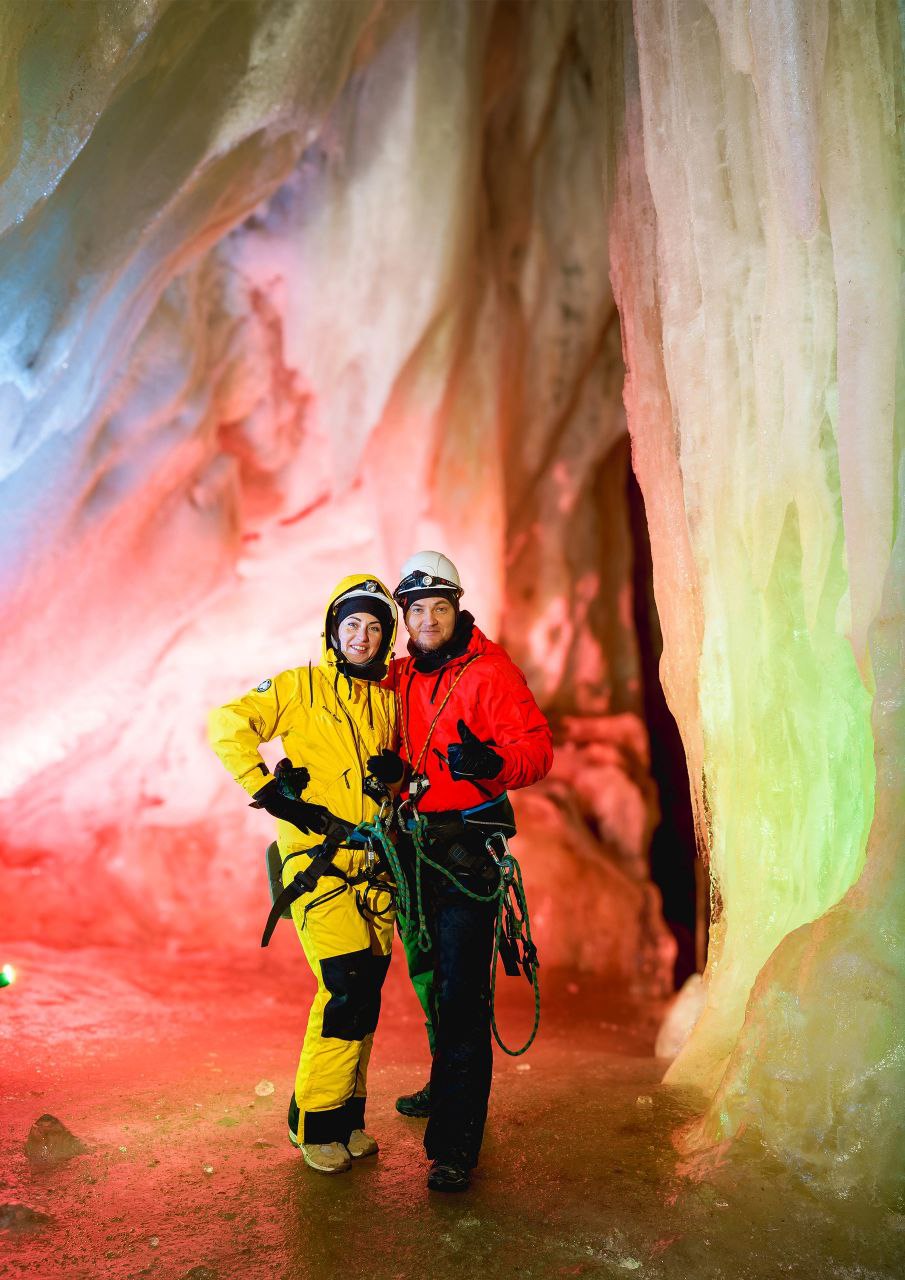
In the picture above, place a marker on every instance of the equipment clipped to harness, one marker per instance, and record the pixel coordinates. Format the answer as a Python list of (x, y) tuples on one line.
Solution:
[(508, 947), (377, 883), (376, 790), (305, 881), (417, 785), (274, 861), (515, 935), (512, 939), (376, 889)]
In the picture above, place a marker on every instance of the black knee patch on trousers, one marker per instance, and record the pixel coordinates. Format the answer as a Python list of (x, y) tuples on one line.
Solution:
[(354, 981)]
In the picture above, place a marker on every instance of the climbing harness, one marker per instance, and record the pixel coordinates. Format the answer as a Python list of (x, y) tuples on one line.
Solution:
[(383, 874), (512, 940), (342, 834)]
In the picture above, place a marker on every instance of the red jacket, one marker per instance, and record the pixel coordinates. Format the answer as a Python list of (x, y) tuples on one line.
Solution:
[(484, 688)]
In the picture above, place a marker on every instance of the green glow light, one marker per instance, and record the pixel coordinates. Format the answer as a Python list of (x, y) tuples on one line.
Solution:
[(7, 976)]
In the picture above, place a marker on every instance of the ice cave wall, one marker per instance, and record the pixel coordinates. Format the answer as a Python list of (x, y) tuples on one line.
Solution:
[(286, 285), (289, 288)]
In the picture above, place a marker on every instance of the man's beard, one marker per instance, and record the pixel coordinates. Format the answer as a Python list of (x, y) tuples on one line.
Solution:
[(452, 646)]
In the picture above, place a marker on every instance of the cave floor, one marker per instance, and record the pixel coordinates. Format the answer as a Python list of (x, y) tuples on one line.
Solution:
[(153, 1060)]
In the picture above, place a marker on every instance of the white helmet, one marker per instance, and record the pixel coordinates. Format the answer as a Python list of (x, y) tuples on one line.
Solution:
[(427, 573)]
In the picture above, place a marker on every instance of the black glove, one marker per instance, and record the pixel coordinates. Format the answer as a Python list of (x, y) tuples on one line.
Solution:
[(472, 758), (307, 817), (293, 779), (388, 767)]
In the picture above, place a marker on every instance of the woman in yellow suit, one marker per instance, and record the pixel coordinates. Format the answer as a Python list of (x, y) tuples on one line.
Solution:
[(331, 718)]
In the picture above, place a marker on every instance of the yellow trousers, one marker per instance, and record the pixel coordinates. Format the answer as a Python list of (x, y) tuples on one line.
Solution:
[(349, 955)]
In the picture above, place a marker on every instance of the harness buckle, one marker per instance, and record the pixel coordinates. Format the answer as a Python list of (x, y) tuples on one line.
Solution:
[(418, 784), (306, 881)]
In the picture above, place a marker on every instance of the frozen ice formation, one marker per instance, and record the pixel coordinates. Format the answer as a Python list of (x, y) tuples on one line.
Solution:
[(757, 245), (287, 287), (681, 1018), (274, 306)]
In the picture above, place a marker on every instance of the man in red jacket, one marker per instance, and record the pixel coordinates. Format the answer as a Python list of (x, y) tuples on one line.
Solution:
[(470, 730)]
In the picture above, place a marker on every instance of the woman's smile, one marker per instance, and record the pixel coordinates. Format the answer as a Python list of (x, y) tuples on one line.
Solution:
[(359, 636)]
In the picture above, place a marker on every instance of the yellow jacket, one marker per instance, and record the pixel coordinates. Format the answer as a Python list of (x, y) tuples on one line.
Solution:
[(328, 722)]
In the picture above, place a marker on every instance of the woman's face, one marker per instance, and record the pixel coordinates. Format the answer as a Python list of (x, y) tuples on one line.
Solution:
[(359, 637)]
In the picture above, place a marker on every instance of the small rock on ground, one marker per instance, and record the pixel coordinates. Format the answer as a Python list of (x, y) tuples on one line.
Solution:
[(49, 1140), (21, 1217)]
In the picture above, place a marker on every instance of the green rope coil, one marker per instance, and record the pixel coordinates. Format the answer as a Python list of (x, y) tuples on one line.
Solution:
[(499, 896), (376, 831), (520, 894), (409, 921)]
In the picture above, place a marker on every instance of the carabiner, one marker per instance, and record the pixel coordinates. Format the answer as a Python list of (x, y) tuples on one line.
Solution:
[(370, 856), (503, 860)]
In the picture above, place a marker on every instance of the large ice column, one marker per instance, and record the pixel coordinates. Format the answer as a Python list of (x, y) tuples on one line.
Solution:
[(819, 1066), (760, 242)]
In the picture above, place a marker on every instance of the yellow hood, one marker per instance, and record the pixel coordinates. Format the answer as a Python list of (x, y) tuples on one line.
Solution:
[(366, 585)]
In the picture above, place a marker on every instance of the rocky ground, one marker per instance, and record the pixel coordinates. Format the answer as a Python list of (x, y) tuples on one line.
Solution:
[(161, 1067)]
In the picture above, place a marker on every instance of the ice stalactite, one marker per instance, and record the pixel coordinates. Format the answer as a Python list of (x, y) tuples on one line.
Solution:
[(759, 241)]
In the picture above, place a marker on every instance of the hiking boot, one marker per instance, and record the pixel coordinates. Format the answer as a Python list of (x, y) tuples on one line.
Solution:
[(326, 1157), (447, 1176), (415, 1104), (361, 1144)]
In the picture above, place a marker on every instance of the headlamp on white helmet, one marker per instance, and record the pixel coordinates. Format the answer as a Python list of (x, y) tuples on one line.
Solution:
[(428, 573)]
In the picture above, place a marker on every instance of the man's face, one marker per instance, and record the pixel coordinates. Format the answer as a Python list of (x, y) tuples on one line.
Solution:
[(430, 621)]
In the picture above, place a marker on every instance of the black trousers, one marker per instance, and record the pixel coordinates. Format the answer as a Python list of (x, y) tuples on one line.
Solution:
[(461, 933)]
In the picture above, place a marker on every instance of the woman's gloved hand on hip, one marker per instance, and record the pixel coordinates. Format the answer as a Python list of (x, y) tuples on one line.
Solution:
[(306, 817)]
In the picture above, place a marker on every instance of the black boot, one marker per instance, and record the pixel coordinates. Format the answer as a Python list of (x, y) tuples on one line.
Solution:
[(415, 1104), (446, 1175)]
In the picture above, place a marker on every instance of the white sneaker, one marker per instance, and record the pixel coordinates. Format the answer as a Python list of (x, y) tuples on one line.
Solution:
[(361, 1144), (326, 1157)]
